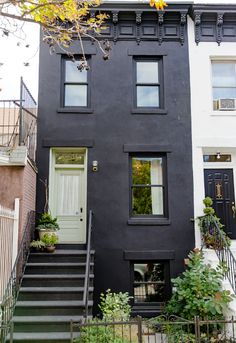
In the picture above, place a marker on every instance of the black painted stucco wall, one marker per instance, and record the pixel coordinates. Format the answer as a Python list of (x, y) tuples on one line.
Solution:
[(105, 131)]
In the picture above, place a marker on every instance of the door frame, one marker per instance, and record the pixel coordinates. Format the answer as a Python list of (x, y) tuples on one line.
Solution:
[(52, 180)]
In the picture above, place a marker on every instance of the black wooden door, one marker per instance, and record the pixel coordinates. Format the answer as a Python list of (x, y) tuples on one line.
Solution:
[(219, 185)]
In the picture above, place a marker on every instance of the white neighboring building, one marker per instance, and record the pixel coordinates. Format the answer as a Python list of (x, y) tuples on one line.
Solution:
[(213, 79)]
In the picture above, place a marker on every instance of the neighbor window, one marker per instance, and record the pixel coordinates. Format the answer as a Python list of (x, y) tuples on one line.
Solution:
[(148, 83), (151, 282), (147, 185), (75, 85), (224, 84)]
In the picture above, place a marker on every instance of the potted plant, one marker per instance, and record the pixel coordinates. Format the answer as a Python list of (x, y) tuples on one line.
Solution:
[(38, 245), (46, 225), (50, 239)]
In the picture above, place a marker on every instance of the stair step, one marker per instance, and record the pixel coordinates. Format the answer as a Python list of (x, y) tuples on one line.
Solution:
[(44, 323), (60, 255), (44, 308), (52, 293), (43, 280), (42, 337), (56, 268)]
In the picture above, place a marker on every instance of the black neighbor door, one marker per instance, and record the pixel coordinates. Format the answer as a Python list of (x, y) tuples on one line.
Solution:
[(219, 185)]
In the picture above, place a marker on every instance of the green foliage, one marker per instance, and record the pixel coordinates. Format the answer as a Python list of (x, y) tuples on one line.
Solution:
[(46, 222), (37, 244), (142, 201), (207, 226), (115, 306), (50, 239), (100, 334), (199, 290)]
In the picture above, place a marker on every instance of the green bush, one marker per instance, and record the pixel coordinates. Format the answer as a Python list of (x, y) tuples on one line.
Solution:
[(47, 222), (115, 306), (207, 227), (198, 292), (99, 334), (50, 239)]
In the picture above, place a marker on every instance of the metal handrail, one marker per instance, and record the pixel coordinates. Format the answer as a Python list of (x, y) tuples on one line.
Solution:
[(87, 270), (11, 293), (223, 251)]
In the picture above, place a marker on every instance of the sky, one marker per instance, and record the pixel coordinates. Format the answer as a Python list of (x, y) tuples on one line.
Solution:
[(15, 53)]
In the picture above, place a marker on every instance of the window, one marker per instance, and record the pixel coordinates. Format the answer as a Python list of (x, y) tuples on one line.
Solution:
[(147, 186), (224, 83), (217, 158), (75, 90), (151, 282), (148, 83)]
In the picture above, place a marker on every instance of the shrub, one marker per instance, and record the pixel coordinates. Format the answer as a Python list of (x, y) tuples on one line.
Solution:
[(50, 239), (115, 306), (199, 290), (99, 334), (47, 222)]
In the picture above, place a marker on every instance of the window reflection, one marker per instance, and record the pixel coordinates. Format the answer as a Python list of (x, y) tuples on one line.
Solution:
[(149, 282)]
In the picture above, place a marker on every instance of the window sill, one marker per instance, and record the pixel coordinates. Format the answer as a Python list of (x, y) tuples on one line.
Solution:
[(75, 110), (224, 113), (148, 111), (149, 221)]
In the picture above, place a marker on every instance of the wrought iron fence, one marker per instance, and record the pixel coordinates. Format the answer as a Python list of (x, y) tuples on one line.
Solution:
[(158, 330), (18, 122), (10, 296), (215, 238)]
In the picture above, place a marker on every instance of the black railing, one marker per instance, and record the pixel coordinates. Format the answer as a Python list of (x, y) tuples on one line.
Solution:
[(88, 269), (10, 295), (213, 237), (161, 329), (18, 122)]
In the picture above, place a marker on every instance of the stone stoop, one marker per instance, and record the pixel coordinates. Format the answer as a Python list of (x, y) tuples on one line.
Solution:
[(51, 296)]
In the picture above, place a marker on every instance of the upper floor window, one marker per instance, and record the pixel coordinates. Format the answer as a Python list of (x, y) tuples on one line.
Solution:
[(148, 186), (75, 90), (148, 83), (224, 85)]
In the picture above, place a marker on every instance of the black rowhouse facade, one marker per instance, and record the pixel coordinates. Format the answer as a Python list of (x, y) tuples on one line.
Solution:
[(117, 140)]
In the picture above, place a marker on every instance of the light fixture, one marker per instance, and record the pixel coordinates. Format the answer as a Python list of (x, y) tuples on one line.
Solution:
[(95, 166), (218, 155)]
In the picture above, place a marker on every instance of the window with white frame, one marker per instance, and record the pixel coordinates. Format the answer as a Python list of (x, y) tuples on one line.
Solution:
[(224, 85)]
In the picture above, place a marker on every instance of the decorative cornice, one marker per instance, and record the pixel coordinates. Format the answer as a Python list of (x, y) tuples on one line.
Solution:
[(183, 21), (115, 18), (160, 29), (138, 23), (219, 23), (197, 22)]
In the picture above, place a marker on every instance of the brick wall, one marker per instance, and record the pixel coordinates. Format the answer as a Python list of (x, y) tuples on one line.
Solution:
[(18, 182)]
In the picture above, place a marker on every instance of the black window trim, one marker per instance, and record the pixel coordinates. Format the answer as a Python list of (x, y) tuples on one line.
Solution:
[(160, 83), (149, 219), (75, 109)]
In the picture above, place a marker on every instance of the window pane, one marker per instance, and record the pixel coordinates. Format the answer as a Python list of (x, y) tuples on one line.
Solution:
[(147, 96), (69, 158), (147, 72), (223, 74), (147, 201), (224, 93), (75, 95), (217, 158), (149, 282), (147, 171), (72, 74)]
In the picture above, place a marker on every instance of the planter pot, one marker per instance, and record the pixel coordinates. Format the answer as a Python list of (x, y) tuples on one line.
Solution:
[(51, 248), (43, 232)]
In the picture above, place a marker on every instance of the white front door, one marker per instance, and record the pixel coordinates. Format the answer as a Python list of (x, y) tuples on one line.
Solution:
[(68, 202)]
